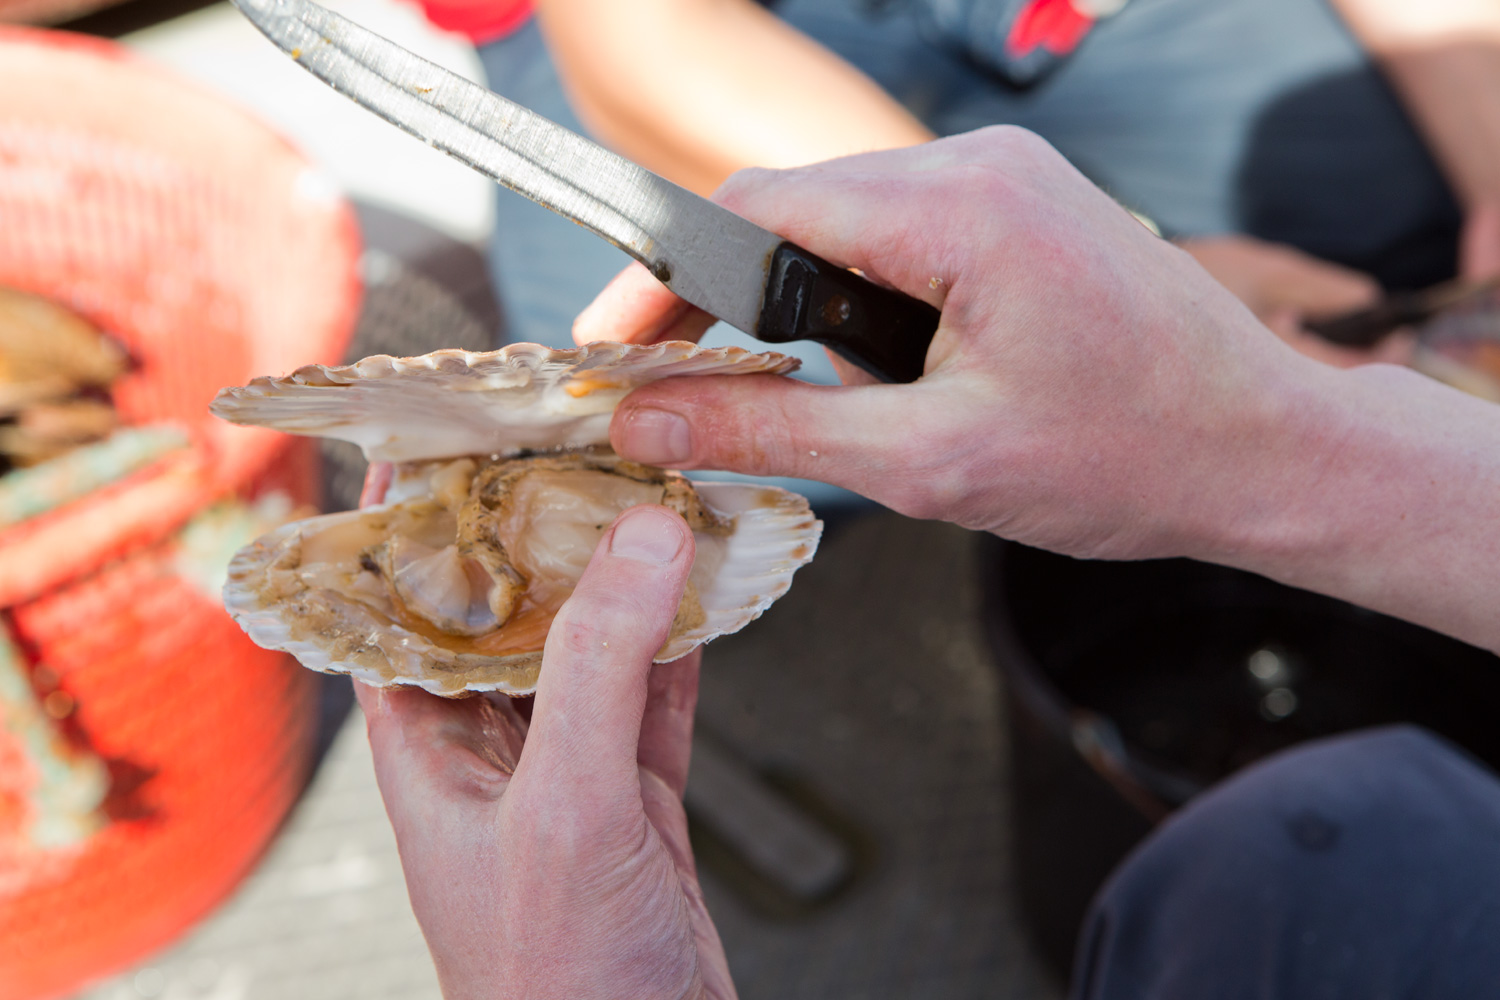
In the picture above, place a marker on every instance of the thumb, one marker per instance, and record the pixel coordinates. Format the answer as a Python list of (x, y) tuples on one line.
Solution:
[(766, 425), (586, 722)]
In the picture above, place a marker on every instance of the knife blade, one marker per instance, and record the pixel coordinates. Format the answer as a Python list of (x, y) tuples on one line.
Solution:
[(726, 265)]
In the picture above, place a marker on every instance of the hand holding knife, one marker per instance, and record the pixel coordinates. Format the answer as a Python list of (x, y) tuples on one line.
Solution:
[(735, 270)]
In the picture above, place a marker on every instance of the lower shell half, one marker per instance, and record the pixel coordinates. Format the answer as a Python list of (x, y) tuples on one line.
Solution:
[(432, 594)]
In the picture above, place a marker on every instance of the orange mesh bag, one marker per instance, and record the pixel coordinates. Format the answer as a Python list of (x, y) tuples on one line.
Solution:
[(214, 253)]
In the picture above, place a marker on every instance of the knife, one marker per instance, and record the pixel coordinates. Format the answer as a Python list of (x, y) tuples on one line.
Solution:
[(731, 268), (1368, 326)]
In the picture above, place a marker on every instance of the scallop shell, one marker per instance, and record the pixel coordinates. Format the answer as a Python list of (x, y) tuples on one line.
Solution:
[(737, 579), (456, 403), (452, 403)]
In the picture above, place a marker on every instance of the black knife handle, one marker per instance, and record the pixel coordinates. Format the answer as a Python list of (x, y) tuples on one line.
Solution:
[(1367, 327), (882, 331)]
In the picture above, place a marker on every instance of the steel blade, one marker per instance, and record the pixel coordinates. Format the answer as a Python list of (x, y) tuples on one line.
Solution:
[(706, 254)]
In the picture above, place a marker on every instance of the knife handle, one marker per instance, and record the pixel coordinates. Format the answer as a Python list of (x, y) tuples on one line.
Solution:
[(882, 331), (1367, 327)]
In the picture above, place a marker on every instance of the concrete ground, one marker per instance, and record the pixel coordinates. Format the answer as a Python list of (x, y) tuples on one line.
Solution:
[(868, 698)]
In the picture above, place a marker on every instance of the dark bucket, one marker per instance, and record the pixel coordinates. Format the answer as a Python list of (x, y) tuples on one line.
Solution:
[(1133, 686)]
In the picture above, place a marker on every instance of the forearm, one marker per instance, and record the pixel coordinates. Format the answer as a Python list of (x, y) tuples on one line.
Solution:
[(1443, 57), (1378, 486), (1092, 391), (697, 89)]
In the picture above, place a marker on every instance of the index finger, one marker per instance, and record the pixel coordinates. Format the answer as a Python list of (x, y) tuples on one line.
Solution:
[(635, 308)]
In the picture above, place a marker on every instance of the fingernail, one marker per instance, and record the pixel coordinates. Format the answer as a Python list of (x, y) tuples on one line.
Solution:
[(647, 536), (657, 437)]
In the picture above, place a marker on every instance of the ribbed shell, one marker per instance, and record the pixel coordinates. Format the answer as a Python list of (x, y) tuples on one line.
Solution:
[(456, 403), (737, 577), (451, 403)]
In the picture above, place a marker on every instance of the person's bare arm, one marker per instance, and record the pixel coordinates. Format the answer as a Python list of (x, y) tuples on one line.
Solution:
[(697, 89), (1443, 56), (1091, 390)]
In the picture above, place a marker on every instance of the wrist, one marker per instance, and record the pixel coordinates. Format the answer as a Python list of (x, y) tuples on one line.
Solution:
[(1255, 506), (1372, 485)]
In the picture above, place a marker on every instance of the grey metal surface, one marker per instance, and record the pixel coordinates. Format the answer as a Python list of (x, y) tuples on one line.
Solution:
[(706, 254)]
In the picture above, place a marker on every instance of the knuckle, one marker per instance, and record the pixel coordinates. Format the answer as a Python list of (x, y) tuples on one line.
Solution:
[(776, 439), (1023, 145), (939, 475), (985, 183), (746, 431), (740, 184), (736, 446)]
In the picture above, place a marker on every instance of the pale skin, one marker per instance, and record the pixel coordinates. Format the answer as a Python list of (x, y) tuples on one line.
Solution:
[(682, 87), (551, 859), (1091, 389)]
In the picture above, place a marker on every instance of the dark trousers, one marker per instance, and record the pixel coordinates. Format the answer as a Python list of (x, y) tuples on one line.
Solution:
[(1357, 868)]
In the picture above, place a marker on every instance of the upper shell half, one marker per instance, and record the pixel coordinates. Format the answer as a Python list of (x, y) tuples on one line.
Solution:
[(451, 403), (502, 489)]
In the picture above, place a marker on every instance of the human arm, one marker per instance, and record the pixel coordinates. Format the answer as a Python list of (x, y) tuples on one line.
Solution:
[(1093, 391), (549, 857), (697, 89), (1443, 56)]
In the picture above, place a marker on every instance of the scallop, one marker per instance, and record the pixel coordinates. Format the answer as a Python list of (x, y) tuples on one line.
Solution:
[(504, 483)]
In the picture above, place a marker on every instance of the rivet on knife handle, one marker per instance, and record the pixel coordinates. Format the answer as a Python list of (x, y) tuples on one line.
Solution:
[(882, 331)]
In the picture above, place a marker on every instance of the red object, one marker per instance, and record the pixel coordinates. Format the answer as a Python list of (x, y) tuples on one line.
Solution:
[(1055, 25), (43, 552), (215, 253), (482, 20), (207, 737)]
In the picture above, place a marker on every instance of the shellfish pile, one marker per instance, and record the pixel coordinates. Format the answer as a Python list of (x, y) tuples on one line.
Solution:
[(503, 484), (55, 370)]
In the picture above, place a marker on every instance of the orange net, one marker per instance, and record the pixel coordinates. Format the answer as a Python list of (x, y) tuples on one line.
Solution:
[(214, 253)]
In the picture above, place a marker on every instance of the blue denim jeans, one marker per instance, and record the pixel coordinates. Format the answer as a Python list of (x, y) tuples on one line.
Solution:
[(1361, 867)]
